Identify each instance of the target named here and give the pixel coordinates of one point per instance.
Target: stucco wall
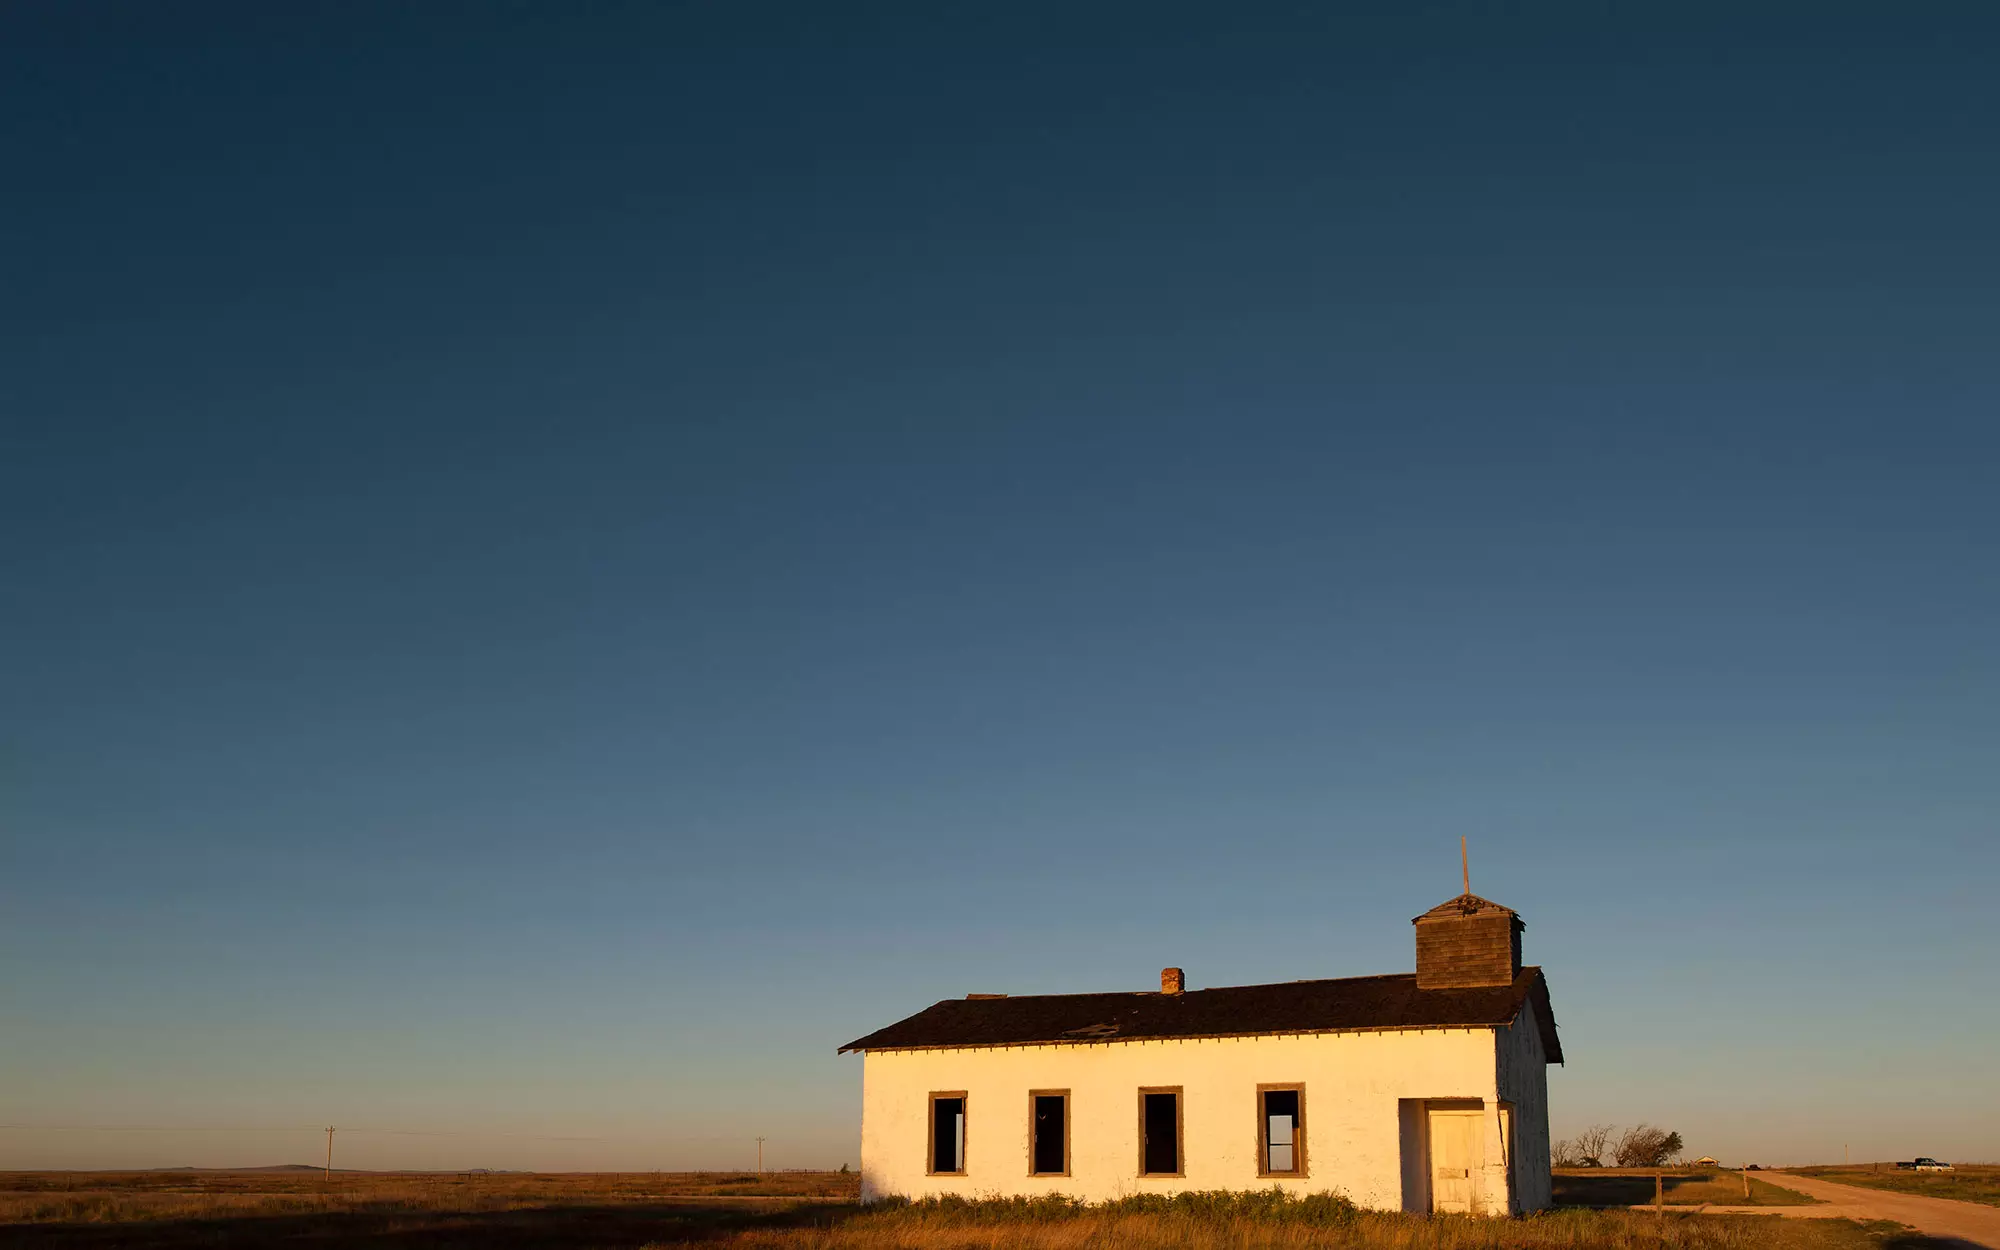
(1353, 1115)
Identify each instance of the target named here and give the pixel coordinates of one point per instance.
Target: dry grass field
(788, 1211)
(1682, 1187)
(1971, 1182)
(87, 1197)
(271, 1206)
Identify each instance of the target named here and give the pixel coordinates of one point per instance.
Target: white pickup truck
(1924, 1163)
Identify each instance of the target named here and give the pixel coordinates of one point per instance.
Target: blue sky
(559, 565)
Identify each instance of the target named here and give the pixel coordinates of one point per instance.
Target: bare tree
(1634, 1148)
(1644, 1146)
(1565, 1153)
(1591, 1143)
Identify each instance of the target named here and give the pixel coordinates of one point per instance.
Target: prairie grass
(1255, 1221)
(792, 1211)
(152, 1197)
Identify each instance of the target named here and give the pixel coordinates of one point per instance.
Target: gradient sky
(562, 561)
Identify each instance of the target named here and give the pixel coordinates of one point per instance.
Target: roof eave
(1545, 1018)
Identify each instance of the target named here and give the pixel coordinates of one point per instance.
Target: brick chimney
(1467, 942)
(1171, 981)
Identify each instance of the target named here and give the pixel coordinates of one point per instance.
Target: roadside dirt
(1969, 1224)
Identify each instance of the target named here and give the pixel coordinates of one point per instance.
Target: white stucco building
(1415, 1092)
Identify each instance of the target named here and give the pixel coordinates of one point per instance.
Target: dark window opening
(1160, 1126)
(1049, 1146)
(1281, 1122)
(948, 1133)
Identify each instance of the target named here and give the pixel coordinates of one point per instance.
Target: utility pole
(329, 1152)
(760, 1156)
(1464, 864)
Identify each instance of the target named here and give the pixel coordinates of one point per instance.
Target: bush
(1272, 1205)
(1201, 1207)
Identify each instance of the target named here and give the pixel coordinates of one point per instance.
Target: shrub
(1205, 1207)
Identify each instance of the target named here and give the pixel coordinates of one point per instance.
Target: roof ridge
(1466, 904)
(1252, 985)
(962, 998)
(1262, 985)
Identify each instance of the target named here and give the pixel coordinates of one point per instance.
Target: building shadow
(1617, 1191)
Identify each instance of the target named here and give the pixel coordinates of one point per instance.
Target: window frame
(1299, 1161)
(930, 1130)
(1034, 1094)
(1180, 1131)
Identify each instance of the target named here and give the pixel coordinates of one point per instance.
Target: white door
(1456, 1157)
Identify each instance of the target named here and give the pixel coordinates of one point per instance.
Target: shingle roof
(1350, 1004)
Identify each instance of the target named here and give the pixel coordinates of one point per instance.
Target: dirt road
(1968, 1223)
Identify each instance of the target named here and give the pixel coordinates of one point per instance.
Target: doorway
(1457, 1153)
